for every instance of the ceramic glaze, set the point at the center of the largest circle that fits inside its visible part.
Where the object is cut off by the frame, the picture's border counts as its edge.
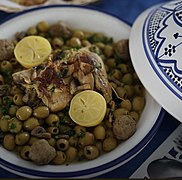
(162, 36)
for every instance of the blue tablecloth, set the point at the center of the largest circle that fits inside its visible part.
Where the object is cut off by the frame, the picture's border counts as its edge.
(128, 10)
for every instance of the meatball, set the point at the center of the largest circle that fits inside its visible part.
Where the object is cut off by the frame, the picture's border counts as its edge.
(7, 49)
(60, 30)
(41, 152)
(122, 49)
(124, 127)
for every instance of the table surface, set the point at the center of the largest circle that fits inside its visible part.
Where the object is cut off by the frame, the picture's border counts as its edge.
(128, 11)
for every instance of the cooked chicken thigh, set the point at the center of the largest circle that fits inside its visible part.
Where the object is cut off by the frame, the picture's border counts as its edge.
(64, 74)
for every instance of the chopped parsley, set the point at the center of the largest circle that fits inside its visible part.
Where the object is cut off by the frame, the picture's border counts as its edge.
(6, 105)
(7, 76)
(12, 126)
(62, 73)
(67, 131)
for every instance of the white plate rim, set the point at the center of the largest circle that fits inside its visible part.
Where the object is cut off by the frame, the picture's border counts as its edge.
(103, 167)
(10, 6)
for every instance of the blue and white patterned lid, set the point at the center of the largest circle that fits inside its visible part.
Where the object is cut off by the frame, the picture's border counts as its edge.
(156, 52)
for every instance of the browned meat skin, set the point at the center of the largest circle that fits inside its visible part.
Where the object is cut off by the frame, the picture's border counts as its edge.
(41, 152)
(56, 81)
(124, 127)
(7, 49)
(100, 76)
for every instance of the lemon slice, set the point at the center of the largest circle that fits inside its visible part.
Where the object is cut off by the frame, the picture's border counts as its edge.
(32, 51)
(87, 108)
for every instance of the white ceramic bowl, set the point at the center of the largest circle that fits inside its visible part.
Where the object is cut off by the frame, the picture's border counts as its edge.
(10, 6)
(92, 20)
(159, 44)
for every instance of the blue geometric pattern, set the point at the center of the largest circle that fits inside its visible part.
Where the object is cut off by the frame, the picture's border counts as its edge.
(162, 40)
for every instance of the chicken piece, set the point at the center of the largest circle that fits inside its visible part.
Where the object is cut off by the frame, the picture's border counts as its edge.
(25, 76)
(41, 152)
(101, 83)
(7, 49)
(59, 100)
(65, 73)
(31, 98)
(124, 127)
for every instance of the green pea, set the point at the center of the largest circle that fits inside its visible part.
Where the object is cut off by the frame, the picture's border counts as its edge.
(75, 42)
(15, 125)
(108, 51)
(43, 26)
(32, 31)
(91, 152)
(53, 130)
(106, 68)
(129, 90)
(85, 43)
(52, 119)
(95, 49)
(57, 43)
(116, 73)
(109, 133)
(12, 110)
(24, 113)
(126, 104)
(22, 138)
(79, 34)
(111, 63)
(100, 45)
(18, 99)
(99, 145)
(62, 144)
(109, 144)
(60, 158)
(32, 140)
(114, 85)
(122, 93)
(71, 154)
(138, 103)
(52, 142)
(86, 139)
(139, 89)
(124, 68)
(134, 115)
(41, 112)
(14, 62)
(99, 132)
(80, 130)
(73, 141)
(6, 66)
(120, 111)
(4, 123)
(9, 142)
(127, 78)
(25, 151)
(1, 79)
(30, 123)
